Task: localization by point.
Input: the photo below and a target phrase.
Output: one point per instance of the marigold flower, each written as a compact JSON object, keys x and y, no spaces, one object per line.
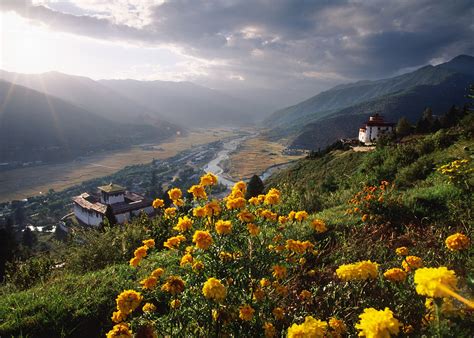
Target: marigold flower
{"x":254,"y":201}
{"x":412,"y":263}
{"x":310,"y":328}
{"x":200,"y":212}
{"x":281,"y":290}
{"x":172,"y":242}
{"x":170,"y":212}
{"x":395,"y":275}
{"x":377,"y":323}
{"x":365,"y":217}
{"x":157,"y":273}
{"x":235,"y":203}
{"x":298,"y":246}
{"x":149,"y":307}
{"x":203,"y":239}
{"x":337,"y":326}
{"x":223,"y":227}
{"x":149,"y":282}
{"x":213,"y":289}
{"x":184,"y":224}
{"x":283,"y":219}
{"x":198,"y":192}
{"x":128,"y":301}
{"x":241,"y":185}
{"x":269,"y":215}
{"x":279,"y":271}
{"x":141,"y":251}
{"x":246,"y":312}
{"x":305,"y":295}
{"x":174,"y":285}
{"x":258,"y":294}
{"x":175,"y":194}
{"x":264,"y":282}
{"x":150,"y":243}
{"x":319,"y":225}
{"x":158,"y":203}
{"x":401,"y":251}
{"x":457,"y":242}
{"x":186,"y":259}
{"x":279,"y":313}
{"x":208,"y":179}
{"x":197,"y":266}
{"x":269,"y":330}
{"x":121,"y":330}
{"x":213,"y":208}
{"x":246,"y":216}
{"x":175,"y":304}
{"x":291,"y":215}
{"x":272,"y":197}
{"x":358,"y":271}
{"x":428,"y":280}
{"x":300,"y":216}
{"x":178,"y":202}
{"x":135,"y":261}
{"x":118,"y":317}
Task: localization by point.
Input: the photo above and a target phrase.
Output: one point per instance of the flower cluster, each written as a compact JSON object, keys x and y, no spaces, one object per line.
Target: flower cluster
{"x":457,"y":242}
{"x":378,"y":323}
{"x":311,"y":327}
{"x":432,"y":282}
{"x":358,"y":271}
{"x":457,"y":171}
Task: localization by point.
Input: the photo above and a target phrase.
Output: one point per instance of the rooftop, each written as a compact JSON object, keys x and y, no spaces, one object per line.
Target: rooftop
{"x":112,"y":188}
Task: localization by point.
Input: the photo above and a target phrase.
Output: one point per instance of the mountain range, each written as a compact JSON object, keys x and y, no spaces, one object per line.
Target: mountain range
{"x":338,"y":112}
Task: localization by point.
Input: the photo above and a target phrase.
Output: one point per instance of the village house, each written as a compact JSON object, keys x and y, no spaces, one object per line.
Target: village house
{"x":374,"y":128}
{"x":91,"y":209}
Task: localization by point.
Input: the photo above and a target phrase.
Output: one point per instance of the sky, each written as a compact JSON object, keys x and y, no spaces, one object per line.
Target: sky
{"x":273,"y":51}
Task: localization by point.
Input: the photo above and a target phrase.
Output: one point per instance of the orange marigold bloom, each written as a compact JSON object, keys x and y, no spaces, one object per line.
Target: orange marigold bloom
{"x":278,"y":313}
{"x":253,"y":229}
{"x":283,"y":219}
{"x":157,"y":273}
{"x":198,"y":192}
{"x":128,"y":301}
{"x":158,"y":203}
{"x":175,"y":303}
{"x":174,"y":285}
{"x":291,"y":215}
{"x":197,"y":266}
{"x":178,"y":202}
{"x":267,"y":214}
{"x":269,"y":330}
{"x":337,"y":326}
{"x":186,"y":259}
{"x":208,"y":179}
{"x":149,"y":243}
{"x":184,"y":224}
{"x":172,"y":242}
{"x":203,"y":239}
{"x":254,"y":201}
{"x":300,"y":216}
{"x":365,"y":217}
{"x":241,"y":185}
{"x":175,"y":194}
{"x":319,"y":225}
{"x":199,"y":212}
{"x":401,"y":251}
{"x":141,"y":251}
{"x":135,"y":261}
{"x":298,"y":246}
{"x":149,"y":307}
{"x":149,"y":283}
{"x":118,"y":317}
{"x":246,"y":312}
{"x":121,"y":330}
{"x":272,"y":197}
{"x":170,"y":212}
{"x":395,"y":275}
{"x":223,"y":227}
{"x":246,"y":216}
{"x":214,"y":289}
{"x":213,"y":208}
{"x":235,"y":203}
{"x":264,"y":282}
{"x":279,"y":271}
{"x":305,"y":295}
{"x":412,"y":263}
{"x":457,"y":242}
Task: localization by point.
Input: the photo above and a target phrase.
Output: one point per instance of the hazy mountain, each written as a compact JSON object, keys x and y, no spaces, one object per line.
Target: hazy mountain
{"x":187,"y":103}
{"x":87,"y":94}
{"x":35,"y":126}
{"x":338,"y":112}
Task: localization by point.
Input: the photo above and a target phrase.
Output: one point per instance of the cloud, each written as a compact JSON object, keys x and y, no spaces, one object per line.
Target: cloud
{"x":303,"y":45}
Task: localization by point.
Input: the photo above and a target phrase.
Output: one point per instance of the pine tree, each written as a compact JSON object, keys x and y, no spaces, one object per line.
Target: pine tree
{"x":254,"y":187}
{"x":403,"y":127}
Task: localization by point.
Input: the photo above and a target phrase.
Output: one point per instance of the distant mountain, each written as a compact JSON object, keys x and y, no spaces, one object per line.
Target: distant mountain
{"x":338,"y":112}
{"x":35,"y":126}
{"x":87,"y":94}
{"x":187,"y":103}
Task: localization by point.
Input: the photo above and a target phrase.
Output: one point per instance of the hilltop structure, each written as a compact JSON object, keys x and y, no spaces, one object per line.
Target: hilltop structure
{"x":374,"y":128}
{"x":91,"y":210}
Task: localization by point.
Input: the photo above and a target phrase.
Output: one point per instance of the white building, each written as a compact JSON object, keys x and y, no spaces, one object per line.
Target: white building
{"x":91,"y":210}
{"x":374,"y":128}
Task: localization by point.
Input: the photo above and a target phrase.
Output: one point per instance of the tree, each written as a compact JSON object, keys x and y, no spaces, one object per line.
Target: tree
{"x":403,"y":127}
{"x":425,"y":123}
{"x":8,"y":247}
{"x":254,"y":187}
{"x":110,"y":218}
{"x":29,"y":238}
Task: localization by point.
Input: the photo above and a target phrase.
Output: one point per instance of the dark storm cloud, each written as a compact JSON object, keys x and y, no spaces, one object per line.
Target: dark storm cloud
{"x":290,"y":43}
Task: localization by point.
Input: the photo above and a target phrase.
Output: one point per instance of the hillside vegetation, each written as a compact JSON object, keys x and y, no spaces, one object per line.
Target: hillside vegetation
{"x":342,"y":243}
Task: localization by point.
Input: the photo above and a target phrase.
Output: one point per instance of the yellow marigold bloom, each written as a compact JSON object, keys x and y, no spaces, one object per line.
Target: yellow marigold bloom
{"x":173,"y":285}
{"x":279,"y":313}
{"x":291,"y":215}
{"x":128,"y":301}
{"x":223,"y":227}
{"x":186,"y":259}
{"x":457,"y":242}
{"x":175,"y":194}
{"x":412,"y":263}
{"x":197,"y":266}
{"x":300,"y":216}
{"x":305,"y":295}
{"x":149,"y":307}
{"x":198,"y":192}
{"x":377,"y":323}
{"x":279,"y":271}
{"x":149,"y":282}
{"x":428,"y":281}
{"x":311,"y":327}
{"x":258,"y":294}
{"x":208,"y":179}
{"x":269,"y":330}
{"x":395,"y":275}
{"x":158,"y":203}
{"x":246,"y":312}
{"x":149,"y":243}
{"x":170,"y":212}
{"x":135,"y":261}
{"x":172,"y":242}
{"x":365,"y":217}
{"x":213,"y":289}
{"x":199,"y":212}
{"x":235,"y":203}
{"x":298,"y":246}
{"x":264,"y":282}
{"x":241,"y":185}
{"x":157,"y":273}
{"x":272,"y":197}
{"x":246,"y":216}
{"x":225,"y":256}
{"x":254,"y":201}
{"x":358,"y":271}
{"x":283,"y":219}
{"x":121,"y":330}
{"x":337,"y":326}
{"x":118,"y":317}
{"x":213,"y":208}
{"x":401,"y":251}
{"x":184,"y":224}
{"x":319,"y":225}
{"x":178,"y":202}
{"x":203,"y":239}
{"x":175,"y":304}
{"x":408,"y":329}
{"x":141,"y":251}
